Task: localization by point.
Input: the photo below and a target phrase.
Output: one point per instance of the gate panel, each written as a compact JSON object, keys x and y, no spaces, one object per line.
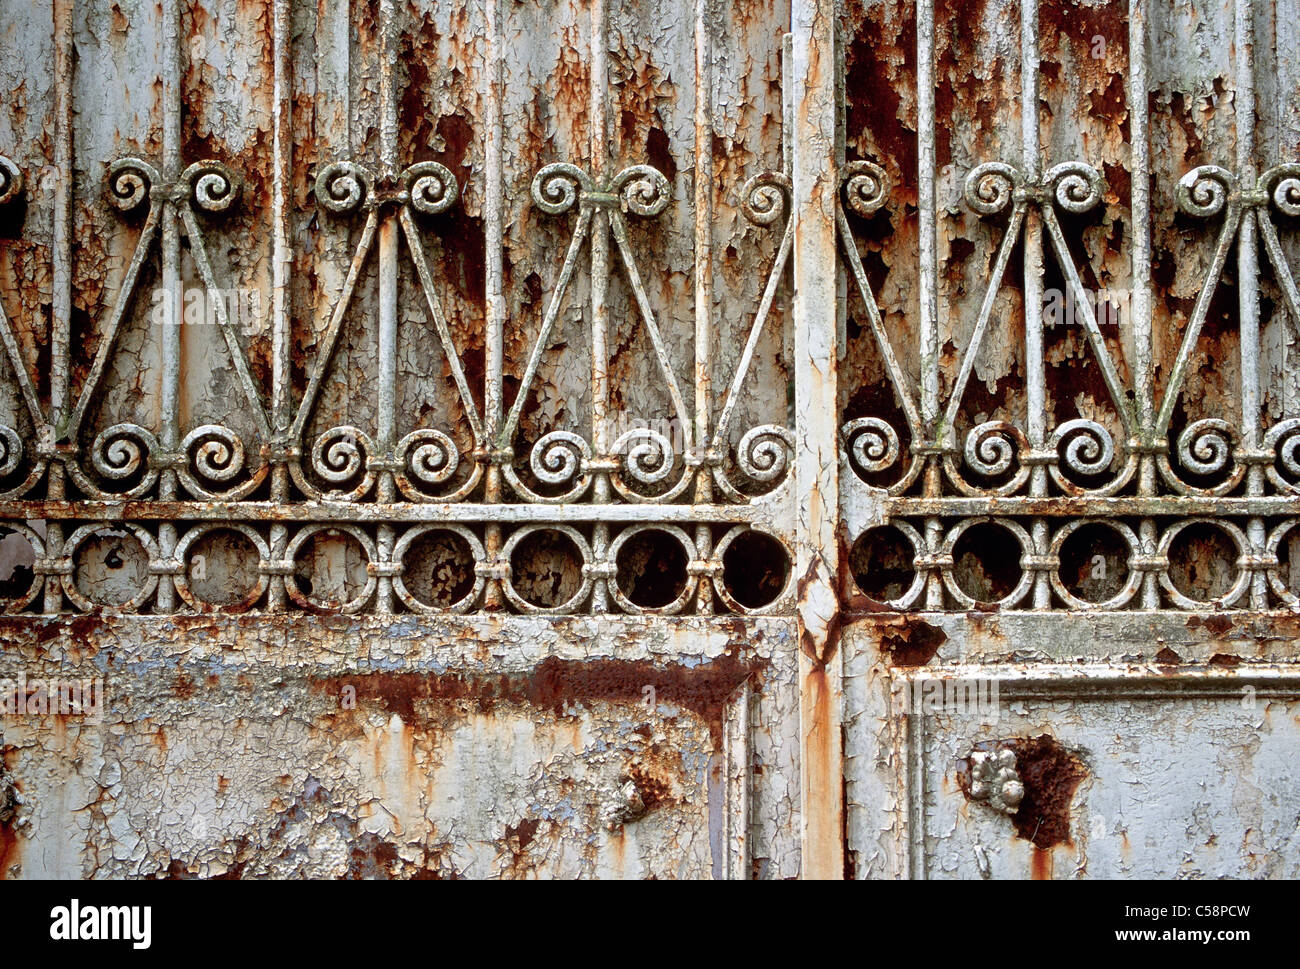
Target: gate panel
{"x":630,"y":439}
{"x":1065,"y":450}
{"x":398,"y":424}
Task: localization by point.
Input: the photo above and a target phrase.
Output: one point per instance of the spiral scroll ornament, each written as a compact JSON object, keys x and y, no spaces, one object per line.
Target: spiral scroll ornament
{"x":556,"y":187}
{"x":120,"y":452}
{"x":648,"y":456}
{"x":211,"y":186}
{"x":765,"y":198}
{"x":865,"y":186}
{"x":1204,"y":191}
{"x":215,"y":453}
{"x":642,"y":190}
{"x":1076,"y":186}
{"x":765,"y":453}
{"x":1205,"y":446}
{"x":1282,"y":187}
{"x":872,"y":444}
{"x":558,"y":458}
{"x":428,"y":456}
{"x":433,"y":188}
{"x":1085,"y":447}
{"x":1283,"y":439}
{"x":11,"y":451}
{"x":130,"y":182}
{"x":989,"y":188}
{"x":339,"y":454}
{"x":11,"y":181}
{"x":343,"y":187}
{"x":992,"y":448}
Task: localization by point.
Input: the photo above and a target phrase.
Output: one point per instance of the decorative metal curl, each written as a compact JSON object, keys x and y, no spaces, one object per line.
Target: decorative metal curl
{"x":430,"y":456}
{"x":432,"y":186}
{"x":1205,"y":446}
{"x":343,"y":186}
{"x":556,"y":187}
{"x":1282,"y":185}
{"x":130,"y":181}
{"x":1283,"y":439}
{"x":11,"y":451}
{"x":989,"y":187}
{"x":648,"y":456}
{"x":872,"y":444}
{"x":557,"y":458}
{"x":764,"y":452}
{"x":865,"y":186}
{"x":211,"y":186}
{"x":1204,"y":191}
{"x":119,"y":452}
{"x":991,"y":448}
{"x":1076,"y":186}
{"x":765,"y":198}
{"x":11,"y":180}
{"x":215,"y":453}
{"x":642,"y":189}
{"x":1085,"y":447}
{"x":339,"y":454}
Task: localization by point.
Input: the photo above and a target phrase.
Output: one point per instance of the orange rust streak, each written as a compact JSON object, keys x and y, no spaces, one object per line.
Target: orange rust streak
{"x":1041,"y":864}
{"x":822,"y":816}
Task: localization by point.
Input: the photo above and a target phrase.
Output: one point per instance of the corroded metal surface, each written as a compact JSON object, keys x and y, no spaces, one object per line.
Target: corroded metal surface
{"x":391,"y":389}
{"x":498,"y":439}
{"x":370,"y":747}
{"x":1071,"y":433}
{"x":1066,"y":399}
{"x":346,"y":346}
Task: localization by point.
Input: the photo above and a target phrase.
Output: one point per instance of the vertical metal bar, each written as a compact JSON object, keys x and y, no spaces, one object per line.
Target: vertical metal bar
{"x":171,"y":282}
{"x":736,"y":763}
{"x":494,"y":302}
{"x":1140,"y":206}
{"x":928,"y":214}
{"x":1035,"y":376}
{"x":704,"y":335}
{"x":281,"y":255}
{"x":61,"y":296}
{"x":599,"y":288}
{"x":1248,"y":283}
{"x":816,"y":445}
{"x":929,"y":292}
{"x":388,"y":242}
{"x":787,"y":104}
{"x":787,"y":166}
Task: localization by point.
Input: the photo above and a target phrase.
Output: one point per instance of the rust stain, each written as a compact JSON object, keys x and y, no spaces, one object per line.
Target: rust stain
{"x":1167,"y":657}
{"x":10,"y":791}
{"x":1050,"y":774}
{"x":912,"y":642}
{"x":555,"y":685}
{"x":1041,"y":864}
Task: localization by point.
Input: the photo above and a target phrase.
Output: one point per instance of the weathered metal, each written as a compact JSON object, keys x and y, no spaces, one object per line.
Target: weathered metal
{"x":603,"y":344}
{"x":318,"y":460}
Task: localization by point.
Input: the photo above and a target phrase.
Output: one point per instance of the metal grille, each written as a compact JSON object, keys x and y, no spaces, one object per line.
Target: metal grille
{"x":724,"y":490}
{"x":1053,"y":496}
{"x":696,"y":486}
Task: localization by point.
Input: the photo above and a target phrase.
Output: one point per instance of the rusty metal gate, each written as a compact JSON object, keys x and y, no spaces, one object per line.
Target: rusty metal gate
{"x":472,"y":438}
